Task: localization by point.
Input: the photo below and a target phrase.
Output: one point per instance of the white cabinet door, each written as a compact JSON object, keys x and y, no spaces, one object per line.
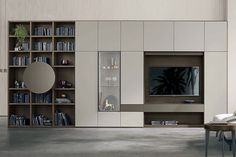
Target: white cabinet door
{"x":189,"y":36}
{"x":131,"y":36}
{"x":132,"y":77}
{"x":109,"y":36}
{"x":216,"y":36}
{"x":215,"y":84}
{"x":109,"y":119}
{"x":86,"y":33}
{"x":158,"y":36}
{"x":132,"y":119}
{"x":86,"y":88}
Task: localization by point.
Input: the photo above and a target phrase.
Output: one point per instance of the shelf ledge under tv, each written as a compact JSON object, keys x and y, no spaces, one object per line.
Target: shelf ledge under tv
{"x":184,"y":107}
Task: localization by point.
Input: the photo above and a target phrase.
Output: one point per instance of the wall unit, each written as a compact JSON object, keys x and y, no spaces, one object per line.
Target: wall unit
{"x":54,"y":44}
{"x":130,"y":39}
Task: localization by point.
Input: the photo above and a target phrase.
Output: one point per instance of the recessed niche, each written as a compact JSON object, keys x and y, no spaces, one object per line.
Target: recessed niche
{"x":174,"y":78}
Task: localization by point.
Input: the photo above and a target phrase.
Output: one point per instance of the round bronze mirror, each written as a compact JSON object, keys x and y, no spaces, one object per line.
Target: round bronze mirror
{"x":39,"y":77}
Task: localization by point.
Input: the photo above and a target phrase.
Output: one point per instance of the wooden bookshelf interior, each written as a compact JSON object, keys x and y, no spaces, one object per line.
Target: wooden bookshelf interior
{"x":52,"y":42}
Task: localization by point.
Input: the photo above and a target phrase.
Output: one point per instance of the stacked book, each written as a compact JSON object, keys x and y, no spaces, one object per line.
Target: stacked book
{"x":25,"y":46}
{"x":41,"y":120}
{"x":43,"y":31}
{"x":65,"y":31}
{"x":42,"y":46}
{"x":41,"y":59}
{"x":65,"y":46}
{"x":23,"y":60}
{"x":42,"y":98}
{"x":62,"y":119}
{"x":21,"y":98}
{"x":18,"y":120}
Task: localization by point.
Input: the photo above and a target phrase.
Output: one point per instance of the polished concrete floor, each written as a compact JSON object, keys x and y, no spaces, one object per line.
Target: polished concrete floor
{"x":105,"y":142}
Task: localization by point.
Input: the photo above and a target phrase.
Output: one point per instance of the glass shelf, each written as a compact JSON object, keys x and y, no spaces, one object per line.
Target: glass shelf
{"x":109,"y":81}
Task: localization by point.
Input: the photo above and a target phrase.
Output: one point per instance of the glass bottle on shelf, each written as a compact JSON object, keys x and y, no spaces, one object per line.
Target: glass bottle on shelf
{"x":109,"y":82}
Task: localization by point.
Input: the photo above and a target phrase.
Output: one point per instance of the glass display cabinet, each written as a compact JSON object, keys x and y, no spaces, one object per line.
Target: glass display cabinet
{"x":109,"y":82}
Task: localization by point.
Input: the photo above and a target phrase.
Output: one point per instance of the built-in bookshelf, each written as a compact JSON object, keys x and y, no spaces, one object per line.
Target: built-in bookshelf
{"x":51,"y":42}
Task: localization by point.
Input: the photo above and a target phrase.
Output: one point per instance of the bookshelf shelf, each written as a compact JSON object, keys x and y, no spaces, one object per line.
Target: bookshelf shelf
{"x":41,"y":104}
{"x":65,"y":104}
{"x":51,"y":42}
{"x":17,"y":66}
{"x":58,"y":36}
{"x":12,"y":51}
{"x":65,"y":89}
{"x":64,"y":66}
{"x":19,"y":104}
{"x":16,"y":89}
{"x":41,"y":36}
{"x":64,"y":51}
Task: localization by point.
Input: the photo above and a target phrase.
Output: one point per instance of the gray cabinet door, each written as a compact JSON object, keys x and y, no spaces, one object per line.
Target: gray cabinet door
{"x":131,"y":77}
{"x":215,"y":84}
{"x":189,"y":36}
{"x":158,"y":36}
{"x":86,"y":88}
{"x":86,"y":33}
{"x":216,"y":36}
{"x":109,"y":36}
{"x":131,"y":36}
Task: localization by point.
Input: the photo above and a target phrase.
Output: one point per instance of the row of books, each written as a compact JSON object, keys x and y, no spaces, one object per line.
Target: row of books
{"x":21,"y":98}
{"x":41,"y":120}
{"x":42,"y":31}
{"x":65,"y":31}
{"x":18,"y":120}
{"x":65,"y":46}
{"x":42,"y":59}
{"x":42,"y":46}
{"x":22,"y":60}
{"x":62,"y":119}
{"x":42,"y":98}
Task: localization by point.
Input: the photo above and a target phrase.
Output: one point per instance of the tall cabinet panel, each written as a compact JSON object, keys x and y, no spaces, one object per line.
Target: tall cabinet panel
{"x":189,"y":36}
{"x":216,"y":36}
{"x":86,"y":88}
{"x":109,"y":36}
{"x":158,"y":36}
{"x":132,"y":78}
{"x":215,"y":84}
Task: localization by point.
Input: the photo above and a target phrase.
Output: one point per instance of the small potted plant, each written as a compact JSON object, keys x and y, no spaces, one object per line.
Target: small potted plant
{"x":20,"y":33}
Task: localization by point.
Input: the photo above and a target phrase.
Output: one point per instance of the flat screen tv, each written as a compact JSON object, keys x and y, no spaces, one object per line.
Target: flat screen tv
{"x":174,"y":81}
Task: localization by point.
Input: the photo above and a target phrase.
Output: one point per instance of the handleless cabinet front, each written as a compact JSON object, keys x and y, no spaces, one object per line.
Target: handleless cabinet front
{"x":109,"y":36}
{"x":189,"y":36}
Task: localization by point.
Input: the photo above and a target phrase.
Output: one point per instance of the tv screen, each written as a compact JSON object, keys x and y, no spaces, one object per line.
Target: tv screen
{"x":179,"y":81}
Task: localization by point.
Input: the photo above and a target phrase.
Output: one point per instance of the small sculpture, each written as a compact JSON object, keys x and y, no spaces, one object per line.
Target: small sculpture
{"x":108,"y":107}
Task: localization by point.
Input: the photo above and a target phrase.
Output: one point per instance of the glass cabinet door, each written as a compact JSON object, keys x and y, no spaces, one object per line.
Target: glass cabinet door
{"x":109,"y":82}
